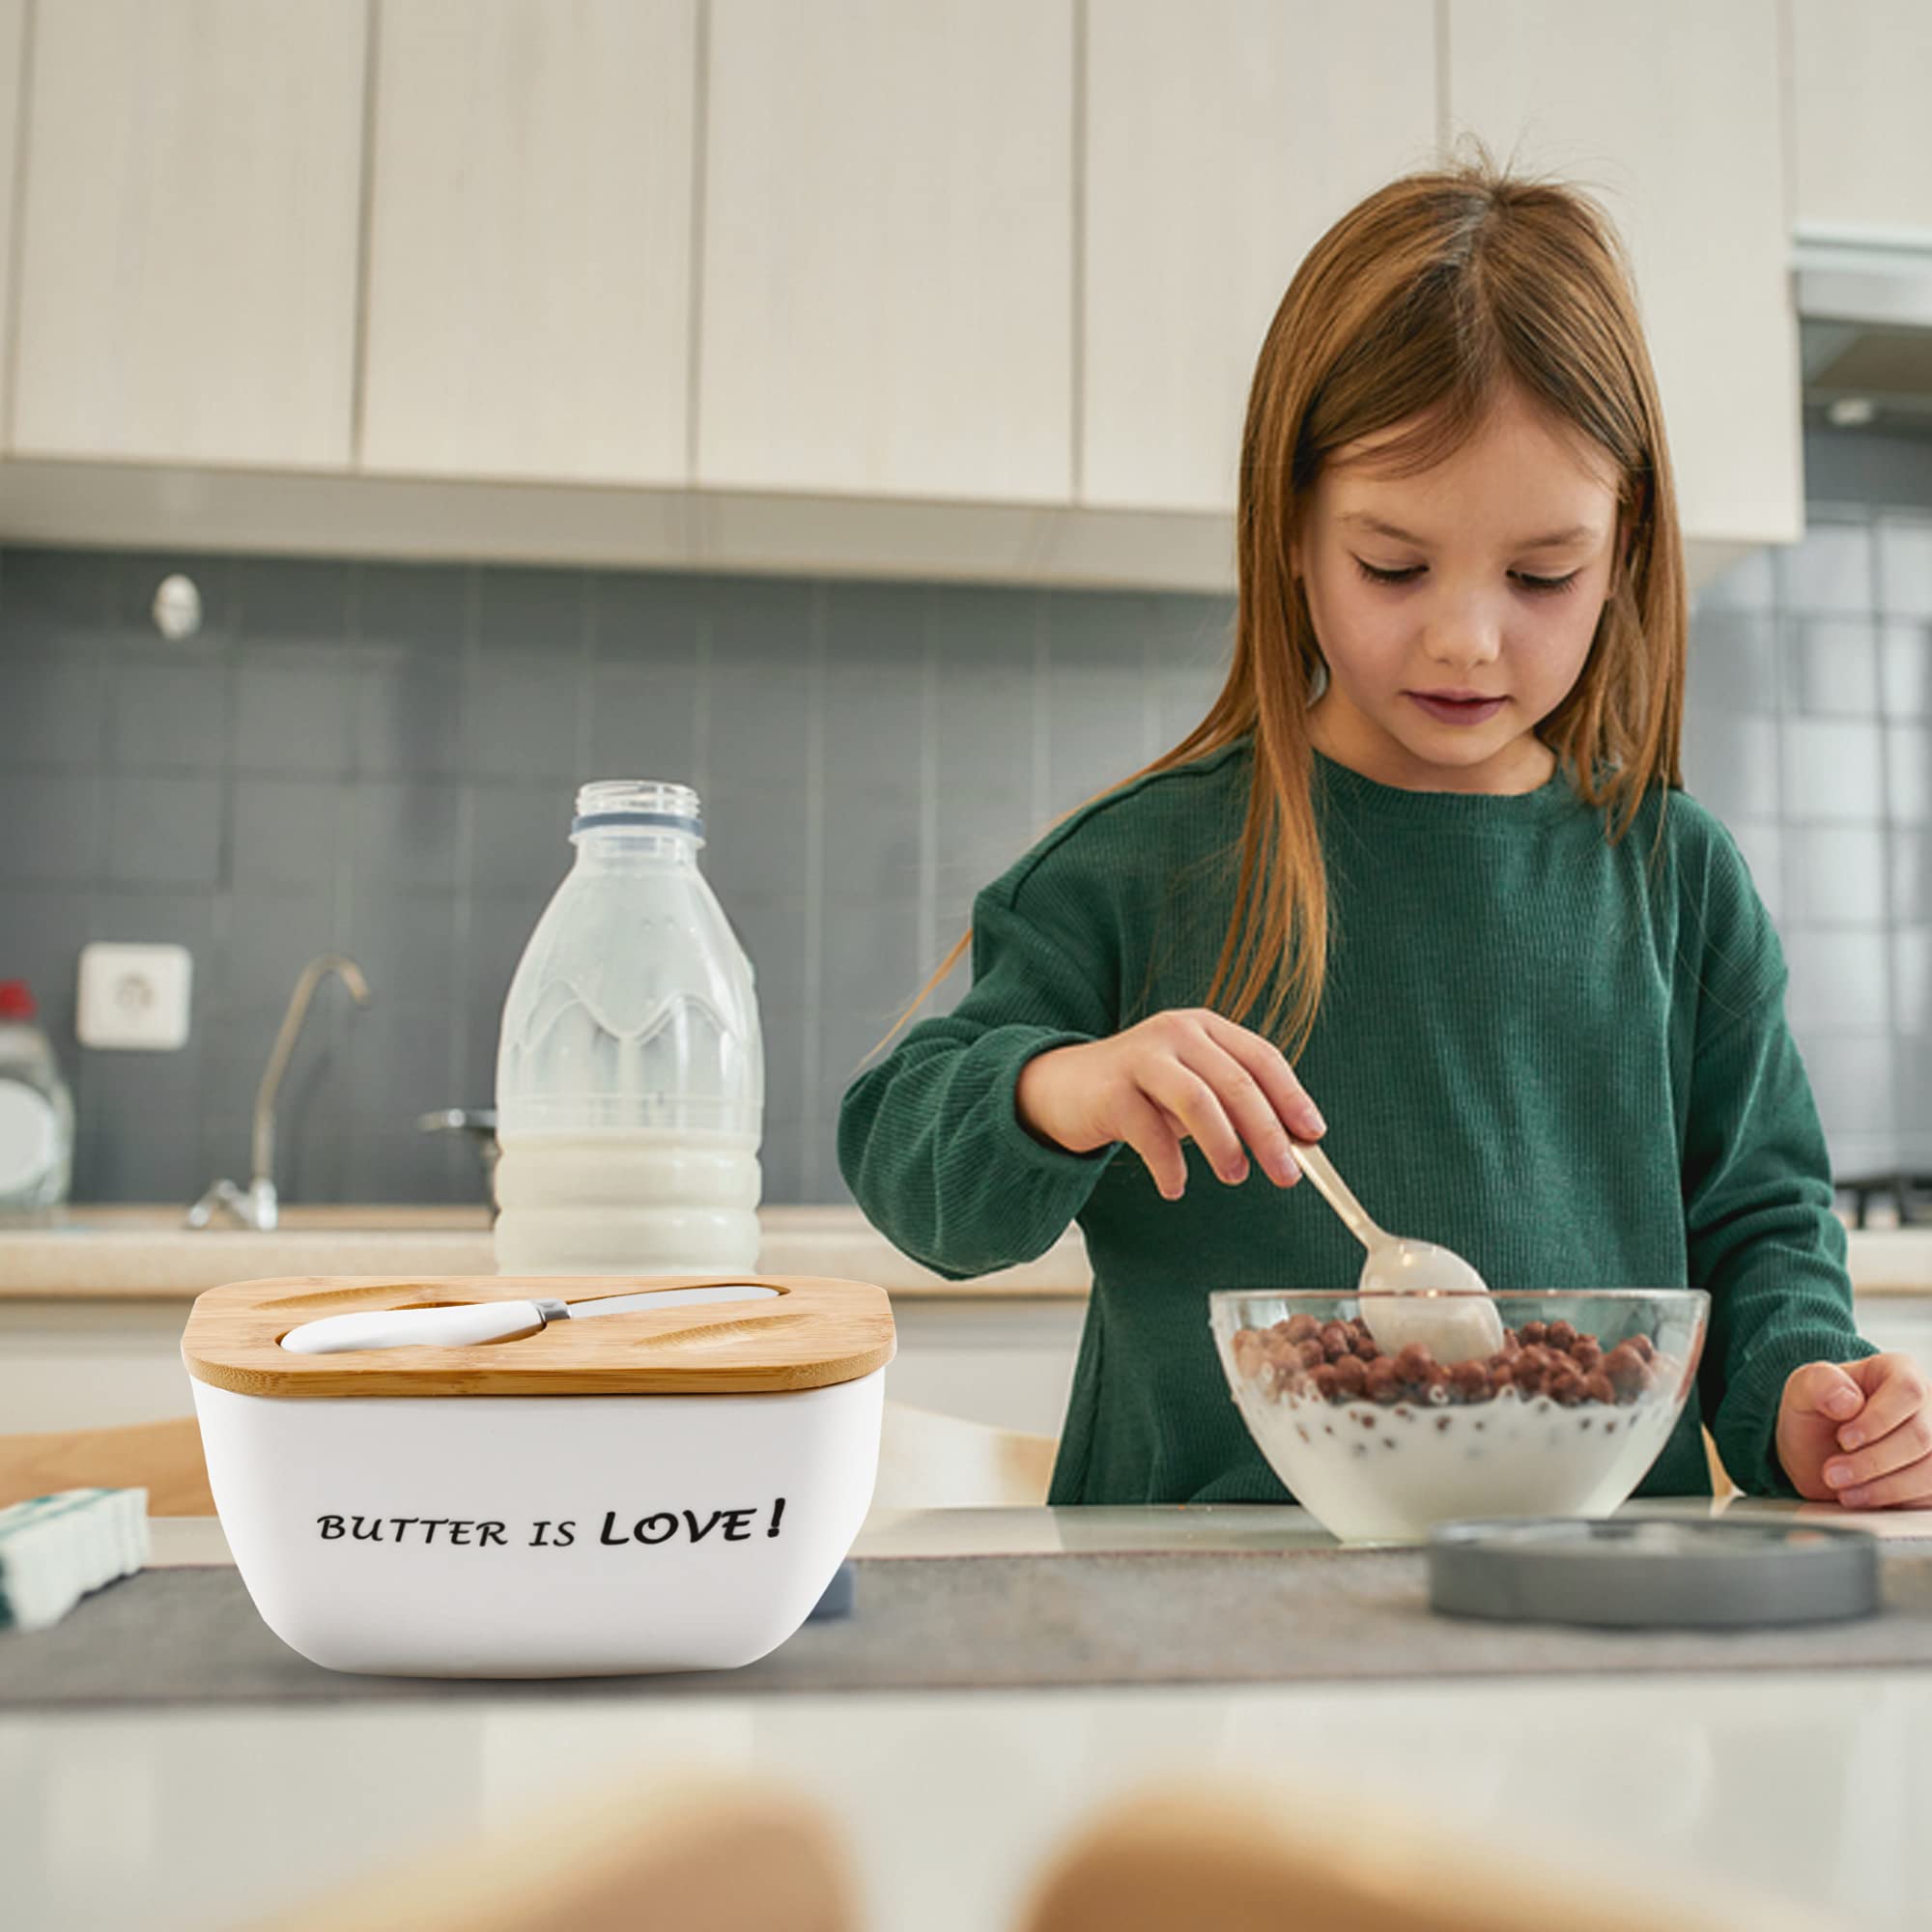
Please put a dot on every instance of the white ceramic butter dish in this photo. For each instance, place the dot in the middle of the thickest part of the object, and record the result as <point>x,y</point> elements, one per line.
<point>664,1489</point>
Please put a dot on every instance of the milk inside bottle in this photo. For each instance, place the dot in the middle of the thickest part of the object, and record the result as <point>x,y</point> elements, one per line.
<point>630,1070</point>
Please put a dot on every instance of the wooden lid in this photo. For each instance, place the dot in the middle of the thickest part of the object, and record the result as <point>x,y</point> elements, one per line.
<point>815,1332</point>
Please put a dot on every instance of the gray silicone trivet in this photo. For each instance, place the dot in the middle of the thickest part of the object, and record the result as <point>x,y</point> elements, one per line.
<point>1653,1574</point>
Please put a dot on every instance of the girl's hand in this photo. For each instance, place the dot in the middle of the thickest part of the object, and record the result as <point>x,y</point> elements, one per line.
<point>1860,1432</point>
<point>1179,1073</point>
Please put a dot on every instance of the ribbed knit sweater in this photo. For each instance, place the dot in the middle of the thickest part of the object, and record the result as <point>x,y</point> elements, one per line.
<point>1563,1058</point>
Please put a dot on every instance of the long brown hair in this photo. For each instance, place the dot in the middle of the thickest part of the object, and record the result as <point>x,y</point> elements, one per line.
<point>1420,307</point>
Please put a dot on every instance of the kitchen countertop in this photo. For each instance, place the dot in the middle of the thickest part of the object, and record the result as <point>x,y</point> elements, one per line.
<point>1803,1787</point>
<point>143,1252</point>
<point>188,1542</point>
<point>123,1253</point>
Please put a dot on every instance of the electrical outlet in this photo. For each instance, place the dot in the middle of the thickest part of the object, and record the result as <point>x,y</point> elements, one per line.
<point>134,997</point>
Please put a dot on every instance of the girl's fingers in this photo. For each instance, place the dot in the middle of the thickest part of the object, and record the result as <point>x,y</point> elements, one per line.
<point>1269,1067</point>
<point>1146,1130</point>
<point>1247,1106</point>
<point>1227,1090</point>
<point>1822,1388</point>
<point>1904,1489</point>
<point>1182,1092</point>
<point>1894,1391</point>
<point>1910,1442</point>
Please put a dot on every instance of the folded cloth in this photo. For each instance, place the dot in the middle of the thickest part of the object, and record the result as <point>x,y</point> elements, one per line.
<point>53,1549</point>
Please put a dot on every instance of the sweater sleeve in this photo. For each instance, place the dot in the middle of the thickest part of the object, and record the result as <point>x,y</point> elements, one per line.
<point>1757,1190</point>
<point>929,1142</point>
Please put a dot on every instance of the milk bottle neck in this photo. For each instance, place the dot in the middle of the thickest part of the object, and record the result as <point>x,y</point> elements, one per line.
<point>619,852</point>
<point>635,825</point>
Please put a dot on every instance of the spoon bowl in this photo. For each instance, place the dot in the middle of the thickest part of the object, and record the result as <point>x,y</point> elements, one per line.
<point>1411,1293</point>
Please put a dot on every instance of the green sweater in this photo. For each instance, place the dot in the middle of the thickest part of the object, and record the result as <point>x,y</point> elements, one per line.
<point>1566,1060</point>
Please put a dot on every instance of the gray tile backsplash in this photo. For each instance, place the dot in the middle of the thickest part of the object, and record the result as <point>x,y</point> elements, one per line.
<point>1832,770</point>
<point>1809,729</point>
<point>1831,571</point>
<point>1905,565</point>
<point>379,758</point>
<point>1905,670</point>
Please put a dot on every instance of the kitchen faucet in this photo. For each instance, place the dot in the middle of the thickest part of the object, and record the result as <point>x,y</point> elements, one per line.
<point>255,1206</point>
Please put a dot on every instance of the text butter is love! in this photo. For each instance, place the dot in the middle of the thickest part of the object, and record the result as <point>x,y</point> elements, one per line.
<point>728,1525</point>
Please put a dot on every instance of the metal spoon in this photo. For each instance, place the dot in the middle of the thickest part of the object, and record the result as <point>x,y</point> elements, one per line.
<point>1411,1290</point>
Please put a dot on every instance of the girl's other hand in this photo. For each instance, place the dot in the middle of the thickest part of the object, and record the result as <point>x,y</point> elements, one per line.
<point>1186,1072</point>
<point>1859,1432</point>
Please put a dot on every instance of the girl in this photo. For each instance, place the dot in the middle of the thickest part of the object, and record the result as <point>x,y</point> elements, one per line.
<point>1428,856</point>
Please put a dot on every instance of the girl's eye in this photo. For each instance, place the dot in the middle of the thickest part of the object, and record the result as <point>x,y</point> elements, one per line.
<point>1375,576</point>
<point>1538,586</point>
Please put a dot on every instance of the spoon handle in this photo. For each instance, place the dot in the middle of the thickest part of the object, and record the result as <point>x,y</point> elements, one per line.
<point>1334,1190</point>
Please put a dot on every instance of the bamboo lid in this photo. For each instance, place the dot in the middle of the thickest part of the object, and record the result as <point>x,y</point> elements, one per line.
<point>816,1331</point>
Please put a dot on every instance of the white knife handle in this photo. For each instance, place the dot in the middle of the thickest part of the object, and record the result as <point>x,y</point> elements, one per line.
<point>453,1327</point>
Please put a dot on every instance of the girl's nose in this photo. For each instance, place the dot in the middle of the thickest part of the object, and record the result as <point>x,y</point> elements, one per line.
<point>1465,636</point>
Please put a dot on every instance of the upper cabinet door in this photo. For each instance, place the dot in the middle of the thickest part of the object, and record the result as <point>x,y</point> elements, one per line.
<point>529,249</point>
<point>189,231</point>
<point>1670,114</point>
<point>1863,132</point>
<point>1223,138</point>
<point>887,278</point>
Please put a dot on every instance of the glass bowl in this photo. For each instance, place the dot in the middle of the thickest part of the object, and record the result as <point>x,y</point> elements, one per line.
<point>1563,1421</point>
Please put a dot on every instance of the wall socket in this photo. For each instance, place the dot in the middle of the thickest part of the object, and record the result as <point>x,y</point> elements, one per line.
<point>134,997</point>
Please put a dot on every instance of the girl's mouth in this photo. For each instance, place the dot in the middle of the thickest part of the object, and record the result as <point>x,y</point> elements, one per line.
<point>1456,707</point>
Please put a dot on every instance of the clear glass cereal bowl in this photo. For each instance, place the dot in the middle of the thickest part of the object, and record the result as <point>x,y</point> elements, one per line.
<point>1564,1420</point>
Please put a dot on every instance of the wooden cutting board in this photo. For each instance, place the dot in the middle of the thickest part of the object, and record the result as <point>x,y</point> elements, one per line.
<point>162,1457</point>
<point>814,1332</point>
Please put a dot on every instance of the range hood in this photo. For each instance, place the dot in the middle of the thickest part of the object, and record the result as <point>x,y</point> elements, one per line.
<point>1865,328</point>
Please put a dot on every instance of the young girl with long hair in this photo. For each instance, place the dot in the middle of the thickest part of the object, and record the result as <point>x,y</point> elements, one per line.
<point>1427,858</point>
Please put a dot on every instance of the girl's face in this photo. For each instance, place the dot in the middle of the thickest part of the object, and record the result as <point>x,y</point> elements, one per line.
<point>1455,607</point>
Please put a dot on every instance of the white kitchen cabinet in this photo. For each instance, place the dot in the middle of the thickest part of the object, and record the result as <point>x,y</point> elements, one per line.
<point>13,80</point>
<point>529,248</point>
<point>888,236</point>
<point>1223,138</point>
<point>965,289</point>
<point>1862,132</point>
<point>1671,114</point>
<point>189,231</point>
